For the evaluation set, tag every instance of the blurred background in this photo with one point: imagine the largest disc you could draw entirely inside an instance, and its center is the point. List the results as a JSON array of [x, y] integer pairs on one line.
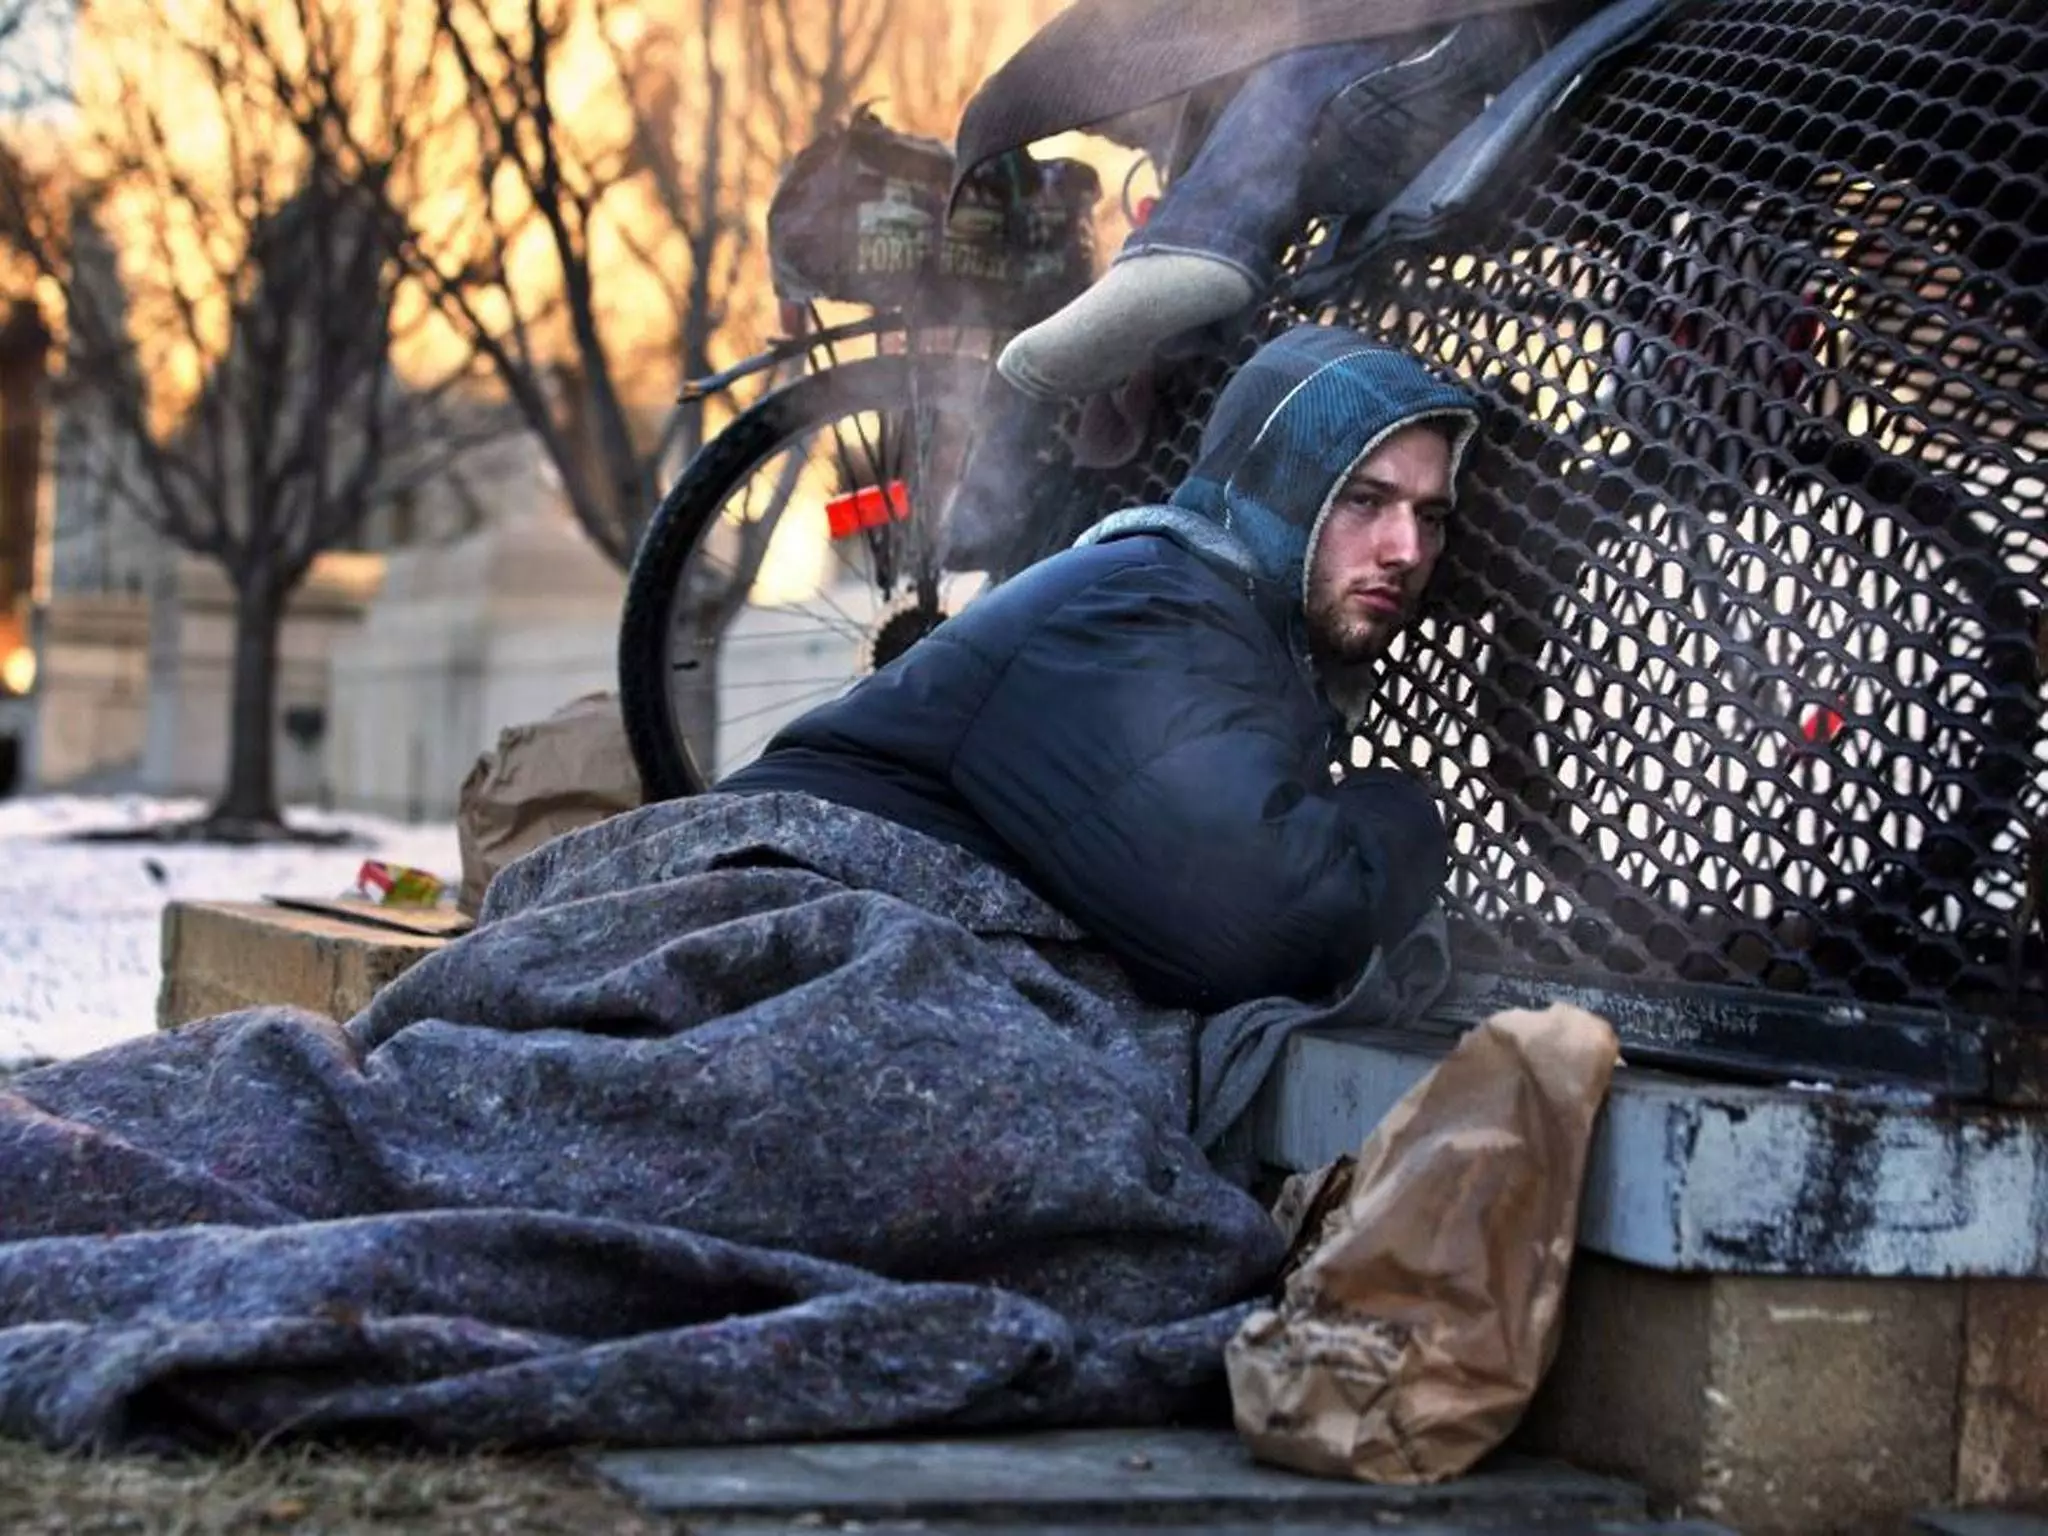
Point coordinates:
[[340, 354], [340, 350]]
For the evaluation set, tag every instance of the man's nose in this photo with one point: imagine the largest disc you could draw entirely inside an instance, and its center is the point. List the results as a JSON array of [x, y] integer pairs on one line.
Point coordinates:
[[1399, 545]]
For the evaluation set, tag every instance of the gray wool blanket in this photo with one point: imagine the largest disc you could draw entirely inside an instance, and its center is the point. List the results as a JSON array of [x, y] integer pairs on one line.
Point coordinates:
[[737, 1118]]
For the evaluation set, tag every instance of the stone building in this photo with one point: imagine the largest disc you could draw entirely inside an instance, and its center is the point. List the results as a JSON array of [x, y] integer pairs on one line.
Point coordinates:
[[460, 608], [462, 605]]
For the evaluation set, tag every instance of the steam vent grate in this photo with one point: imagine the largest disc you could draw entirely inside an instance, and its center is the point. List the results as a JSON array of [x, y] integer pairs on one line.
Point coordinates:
[[1735, 670]]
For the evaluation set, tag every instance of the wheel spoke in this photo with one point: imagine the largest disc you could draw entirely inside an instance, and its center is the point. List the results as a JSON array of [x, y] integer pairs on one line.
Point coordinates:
[[803, 697], [781, 636], [809, 683], [846, 624]]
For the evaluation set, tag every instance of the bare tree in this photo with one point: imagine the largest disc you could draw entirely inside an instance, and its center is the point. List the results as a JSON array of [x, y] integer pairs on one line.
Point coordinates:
[[621, 159], [607, 251], [610, 250], [940, 56], [812, 63], [618, 163], [229, 324]]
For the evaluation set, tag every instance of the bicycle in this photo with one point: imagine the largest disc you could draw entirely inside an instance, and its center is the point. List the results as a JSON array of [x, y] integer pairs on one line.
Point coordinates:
[[725, 635]]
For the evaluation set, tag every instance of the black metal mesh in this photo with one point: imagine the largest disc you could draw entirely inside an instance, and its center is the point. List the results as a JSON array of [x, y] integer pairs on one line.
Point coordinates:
[[1735, 665]]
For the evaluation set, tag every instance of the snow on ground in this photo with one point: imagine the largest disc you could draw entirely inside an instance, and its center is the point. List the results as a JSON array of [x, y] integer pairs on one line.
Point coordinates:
[[80, 922]]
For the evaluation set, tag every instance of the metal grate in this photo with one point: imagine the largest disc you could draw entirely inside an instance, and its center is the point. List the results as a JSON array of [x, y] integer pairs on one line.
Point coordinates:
[[1734, 671]]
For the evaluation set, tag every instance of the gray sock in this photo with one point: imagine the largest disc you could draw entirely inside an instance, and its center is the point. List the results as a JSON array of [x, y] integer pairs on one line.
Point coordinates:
[[1106, 334]]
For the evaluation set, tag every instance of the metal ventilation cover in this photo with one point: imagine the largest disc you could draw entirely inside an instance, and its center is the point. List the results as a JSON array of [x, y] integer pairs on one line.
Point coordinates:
[[1736, 669]]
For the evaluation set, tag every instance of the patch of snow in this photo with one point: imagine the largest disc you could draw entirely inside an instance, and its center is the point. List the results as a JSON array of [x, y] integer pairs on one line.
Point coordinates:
[[80, 923]]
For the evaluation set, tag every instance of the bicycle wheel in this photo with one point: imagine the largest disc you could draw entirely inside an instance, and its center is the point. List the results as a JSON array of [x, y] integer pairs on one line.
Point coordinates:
[[797, 552]]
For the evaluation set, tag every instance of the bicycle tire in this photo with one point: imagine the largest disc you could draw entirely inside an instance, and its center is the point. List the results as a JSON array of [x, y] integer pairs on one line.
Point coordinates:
[[668, 770]]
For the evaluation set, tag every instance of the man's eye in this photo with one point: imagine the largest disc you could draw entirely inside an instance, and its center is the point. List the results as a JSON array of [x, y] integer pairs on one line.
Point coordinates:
[[1436, 517]]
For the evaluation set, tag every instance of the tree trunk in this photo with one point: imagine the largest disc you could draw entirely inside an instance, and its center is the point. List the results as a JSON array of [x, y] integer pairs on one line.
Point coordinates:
[[251, 794]]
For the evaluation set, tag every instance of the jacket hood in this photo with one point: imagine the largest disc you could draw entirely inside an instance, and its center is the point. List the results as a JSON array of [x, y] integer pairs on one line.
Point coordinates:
[[1284, 436], [1292, 425]]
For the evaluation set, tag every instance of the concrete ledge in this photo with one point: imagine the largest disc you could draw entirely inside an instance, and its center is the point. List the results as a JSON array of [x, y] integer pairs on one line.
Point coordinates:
[[1783, 1405], [1790, 1311], [1688, 1175], [220, 956]]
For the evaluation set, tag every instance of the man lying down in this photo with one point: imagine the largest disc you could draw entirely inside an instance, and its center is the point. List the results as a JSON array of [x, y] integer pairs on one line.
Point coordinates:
[[854, 1097]]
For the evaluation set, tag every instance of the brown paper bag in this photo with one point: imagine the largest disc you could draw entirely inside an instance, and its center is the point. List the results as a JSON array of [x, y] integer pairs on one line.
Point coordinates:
[[543, 779], [1414, 1334]]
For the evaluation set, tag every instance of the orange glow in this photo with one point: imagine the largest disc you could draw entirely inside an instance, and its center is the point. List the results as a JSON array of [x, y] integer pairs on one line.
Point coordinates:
[[191, 168], [17, 660], [18, 671]]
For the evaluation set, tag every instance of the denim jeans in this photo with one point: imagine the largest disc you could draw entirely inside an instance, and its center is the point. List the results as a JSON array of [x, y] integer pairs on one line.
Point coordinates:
[[1336, 130]]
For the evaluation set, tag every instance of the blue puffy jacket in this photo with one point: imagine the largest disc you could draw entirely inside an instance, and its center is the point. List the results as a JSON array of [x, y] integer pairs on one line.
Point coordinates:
[[1133, 728]]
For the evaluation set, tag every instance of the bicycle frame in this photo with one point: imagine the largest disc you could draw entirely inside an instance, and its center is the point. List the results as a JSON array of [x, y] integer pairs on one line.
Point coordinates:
[[785, 349]]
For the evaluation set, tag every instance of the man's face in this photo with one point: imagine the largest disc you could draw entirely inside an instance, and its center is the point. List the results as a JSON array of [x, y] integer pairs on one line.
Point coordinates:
[[1379, 544]]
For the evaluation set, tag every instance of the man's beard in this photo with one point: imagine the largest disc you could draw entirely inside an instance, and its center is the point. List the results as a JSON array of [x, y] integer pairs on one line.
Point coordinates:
[[1348, 642]]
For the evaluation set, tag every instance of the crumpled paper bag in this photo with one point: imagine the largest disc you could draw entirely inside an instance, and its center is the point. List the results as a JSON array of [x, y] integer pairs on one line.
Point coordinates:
[[1413, 1334], [542, 779]]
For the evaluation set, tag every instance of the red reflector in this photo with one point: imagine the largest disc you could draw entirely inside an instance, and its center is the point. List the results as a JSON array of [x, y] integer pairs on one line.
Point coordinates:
[[869, 507], [1821, 726]]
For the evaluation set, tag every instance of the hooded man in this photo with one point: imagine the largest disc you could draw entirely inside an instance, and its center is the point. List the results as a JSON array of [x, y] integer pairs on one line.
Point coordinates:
[[1144, 727]]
